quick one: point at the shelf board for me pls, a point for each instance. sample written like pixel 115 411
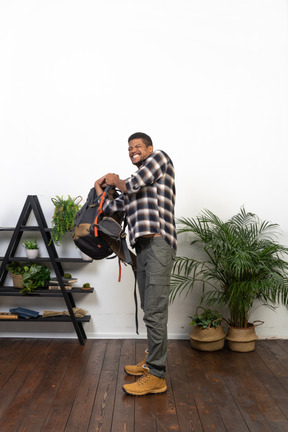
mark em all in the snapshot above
pixel 25 228
pixel 59 318
pixel 12 291
pixel 47 259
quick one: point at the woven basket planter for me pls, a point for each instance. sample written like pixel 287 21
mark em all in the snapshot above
pixel 17 280
pixel 242 339
pixel 211 339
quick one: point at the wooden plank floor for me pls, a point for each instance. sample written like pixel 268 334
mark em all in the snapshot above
pixel 59 385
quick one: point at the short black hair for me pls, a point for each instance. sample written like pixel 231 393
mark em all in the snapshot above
pixel 140 135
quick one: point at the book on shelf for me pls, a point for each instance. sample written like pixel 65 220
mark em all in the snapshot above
pixel 24 312
pixel 55 287
pixel 65 281
pixel 8 315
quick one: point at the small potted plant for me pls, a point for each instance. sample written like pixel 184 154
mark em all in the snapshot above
pixel 207 333
pixel 29 276
pixel 34 276
pixel 16 271
pixel 31 248
pixel 63 217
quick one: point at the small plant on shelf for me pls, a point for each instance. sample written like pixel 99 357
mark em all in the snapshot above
pixel 86 286
pixel 33 276
pixel 30 244
pixel 15 268
pixel 63 218
pixel 31 248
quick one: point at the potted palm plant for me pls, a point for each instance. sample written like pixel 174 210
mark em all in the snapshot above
pixel 242 267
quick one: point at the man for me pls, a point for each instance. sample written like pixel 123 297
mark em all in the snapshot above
pixel 148 198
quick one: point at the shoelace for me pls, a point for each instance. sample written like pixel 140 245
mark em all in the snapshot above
pixel 143 380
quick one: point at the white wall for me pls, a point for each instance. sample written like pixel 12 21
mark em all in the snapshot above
pixel 207 79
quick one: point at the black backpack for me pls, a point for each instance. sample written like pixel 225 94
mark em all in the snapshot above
pixel 98 235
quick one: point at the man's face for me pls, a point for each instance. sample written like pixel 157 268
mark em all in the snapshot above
pixel 138 151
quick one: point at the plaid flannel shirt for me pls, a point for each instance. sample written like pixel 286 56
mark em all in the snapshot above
pixel 150 200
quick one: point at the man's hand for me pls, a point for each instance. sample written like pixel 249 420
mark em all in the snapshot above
pixel 110 179
pixel 99 185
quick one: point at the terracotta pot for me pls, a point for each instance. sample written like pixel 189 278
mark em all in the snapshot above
pixel 211 339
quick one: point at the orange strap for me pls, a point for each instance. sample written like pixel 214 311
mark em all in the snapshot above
pixel 119 278
pixel 100 210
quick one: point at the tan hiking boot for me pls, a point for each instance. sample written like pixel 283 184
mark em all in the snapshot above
pixel 136 370
pixel 146 384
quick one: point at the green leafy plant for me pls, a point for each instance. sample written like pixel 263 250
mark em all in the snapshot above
pixel 15 268
pixel 86 285
pixel 63 218
pixel 30 244
pixel 242 263
pixel 34 275
pixel 209 318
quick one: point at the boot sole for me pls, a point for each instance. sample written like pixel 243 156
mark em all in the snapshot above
pixel 147 393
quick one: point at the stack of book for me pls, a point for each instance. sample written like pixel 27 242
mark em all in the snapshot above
pixel 25 313
pixel 68 283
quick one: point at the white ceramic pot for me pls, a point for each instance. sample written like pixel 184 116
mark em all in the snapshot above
pixel 32 253
pixel 85 257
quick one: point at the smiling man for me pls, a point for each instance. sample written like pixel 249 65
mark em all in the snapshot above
pixel 148 198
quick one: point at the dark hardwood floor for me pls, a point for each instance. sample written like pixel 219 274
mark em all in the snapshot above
pixel 59 385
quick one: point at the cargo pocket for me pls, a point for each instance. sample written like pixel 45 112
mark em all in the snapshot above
pixel 161 265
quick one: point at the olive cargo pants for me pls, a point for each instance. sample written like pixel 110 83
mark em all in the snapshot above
pixel 154 264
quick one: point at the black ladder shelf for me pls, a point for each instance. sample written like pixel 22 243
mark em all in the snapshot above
pixel 32 204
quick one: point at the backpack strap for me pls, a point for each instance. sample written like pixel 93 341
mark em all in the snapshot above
pixel 100 209
pixel 136 302
pixel 125 249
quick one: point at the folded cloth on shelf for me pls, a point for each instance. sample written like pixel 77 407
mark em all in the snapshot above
pixel 78 312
